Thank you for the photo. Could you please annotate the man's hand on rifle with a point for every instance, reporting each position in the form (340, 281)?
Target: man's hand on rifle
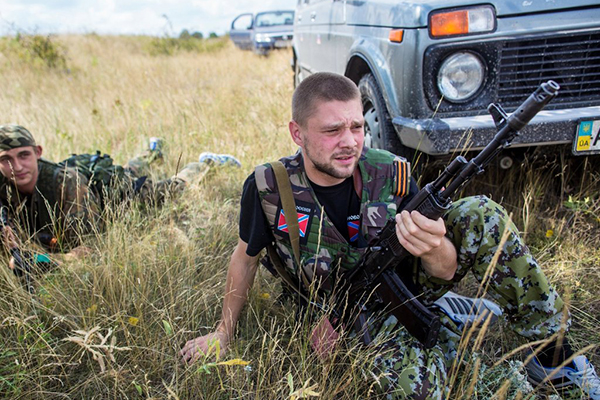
(426, 238)
(12, 263)
(9, 239)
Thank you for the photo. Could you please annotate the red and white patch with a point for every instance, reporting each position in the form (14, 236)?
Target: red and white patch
(302, 223)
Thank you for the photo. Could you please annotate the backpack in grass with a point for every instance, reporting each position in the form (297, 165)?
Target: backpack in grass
(100, 170)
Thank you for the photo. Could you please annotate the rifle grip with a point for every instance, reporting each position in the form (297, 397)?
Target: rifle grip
(362, 329)
(418, 320)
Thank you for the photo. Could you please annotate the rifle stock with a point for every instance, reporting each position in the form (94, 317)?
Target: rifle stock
(23, 260)
(375, 270)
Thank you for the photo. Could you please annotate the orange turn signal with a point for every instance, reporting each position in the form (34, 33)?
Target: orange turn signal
(396, 35)
(466, 21)
(450, 23)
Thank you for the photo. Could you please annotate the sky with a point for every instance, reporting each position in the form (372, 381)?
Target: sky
(148, 17)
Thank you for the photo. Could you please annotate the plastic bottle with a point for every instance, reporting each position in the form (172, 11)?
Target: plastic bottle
(156, 144)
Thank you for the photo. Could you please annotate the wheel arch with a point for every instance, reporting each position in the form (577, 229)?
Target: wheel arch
(359, 66)
(294, 58)
(364, 56)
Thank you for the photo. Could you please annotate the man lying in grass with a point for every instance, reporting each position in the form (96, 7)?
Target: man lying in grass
(359, 189)
(57, 205)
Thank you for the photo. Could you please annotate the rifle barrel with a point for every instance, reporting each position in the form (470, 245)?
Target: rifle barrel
(375, 269)
(509, 129)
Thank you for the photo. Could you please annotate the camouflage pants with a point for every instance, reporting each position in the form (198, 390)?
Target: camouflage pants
(475, 225)
(139, 165)
(151, 191)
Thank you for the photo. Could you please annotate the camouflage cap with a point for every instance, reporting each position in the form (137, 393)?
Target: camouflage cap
(13, 136)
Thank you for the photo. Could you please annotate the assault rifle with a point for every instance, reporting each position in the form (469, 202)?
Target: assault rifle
(25, 261)
(374, 280)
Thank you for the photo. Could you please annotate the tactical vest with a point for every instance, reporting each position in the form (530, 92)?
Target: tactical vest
(323, 249)
(44, 201)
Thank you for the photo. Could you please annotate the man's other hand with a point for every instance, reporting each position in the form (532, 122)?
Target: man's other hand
(77, 253)
(204, 346)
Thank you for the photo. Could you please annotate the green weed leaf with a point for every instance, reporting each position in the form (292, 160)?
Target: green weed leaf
(138, 388)
(167, 327)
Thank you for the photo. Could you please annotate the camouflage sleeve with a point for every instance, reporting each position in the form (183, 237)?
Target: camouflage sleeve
(413, 189)
(79, 208)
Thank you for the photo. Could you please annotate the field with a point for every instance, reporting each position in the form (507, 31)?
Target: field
(110, 326)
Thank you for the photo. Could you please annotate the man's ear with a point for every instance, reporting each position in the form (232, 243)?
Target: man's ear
(38, 151)
(295, 133)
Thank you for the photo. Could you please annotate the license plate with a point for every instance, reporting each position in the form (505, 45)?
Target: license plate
(587, 140)
(282, 43)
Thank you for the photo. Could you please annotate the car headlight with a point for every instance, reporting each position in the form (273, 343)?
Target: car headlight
(261, 37)
(460, 76)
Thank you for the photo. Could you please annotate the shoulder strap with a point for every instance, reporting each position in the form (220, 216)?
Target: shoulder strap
(274, 261)
(291, 216)
(289, 207)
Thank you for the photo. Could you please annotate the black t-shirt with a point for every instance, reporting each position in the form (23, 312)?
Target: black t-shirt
(345, 215)
(342, 206)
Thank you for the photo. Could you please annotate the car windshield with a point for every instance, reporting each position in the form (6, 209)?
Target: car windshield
(275, 18)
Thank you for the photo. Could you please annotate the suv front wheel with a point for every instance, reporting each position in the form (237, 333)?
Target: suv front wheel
(379, 130)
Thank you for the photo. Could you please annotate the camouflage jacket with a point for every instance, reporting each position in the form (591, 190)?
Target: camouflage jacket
(381, 181)
(61, 210)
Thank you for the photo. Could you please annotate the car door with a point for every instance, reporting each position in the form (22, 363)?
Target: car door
(241, 31)
(302, 41)
(327, 18)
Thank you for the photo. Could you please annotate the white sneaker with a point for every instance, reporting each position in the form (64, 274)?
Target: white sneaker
(218, 159)
(466, 310)
(579, 373)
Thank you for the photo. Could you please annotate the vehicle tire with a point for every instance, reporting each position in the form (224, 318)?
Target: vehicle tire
(379, 130)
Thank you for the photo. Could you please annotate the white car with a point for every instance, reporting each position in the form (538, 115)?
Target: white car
(264, 32)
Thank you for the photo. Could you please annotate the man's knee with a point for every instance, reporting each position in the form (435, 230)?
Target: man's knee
(411, 372)
(475, 205)
(418, 383)
(476, 216)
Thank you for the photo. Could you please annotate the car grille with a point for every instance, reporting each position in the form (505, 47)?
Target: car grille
(572, 60)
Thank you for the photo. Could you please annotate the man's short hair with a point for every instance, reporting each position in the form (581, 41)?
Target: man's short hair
(14, 136)
(322, 86)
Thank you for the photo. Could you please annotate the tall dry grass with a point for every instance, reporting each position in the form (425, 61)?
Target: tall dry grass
(111, 325)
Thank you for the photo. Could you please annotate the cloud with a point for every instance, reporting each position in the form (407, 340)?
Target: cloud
(127, 16)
